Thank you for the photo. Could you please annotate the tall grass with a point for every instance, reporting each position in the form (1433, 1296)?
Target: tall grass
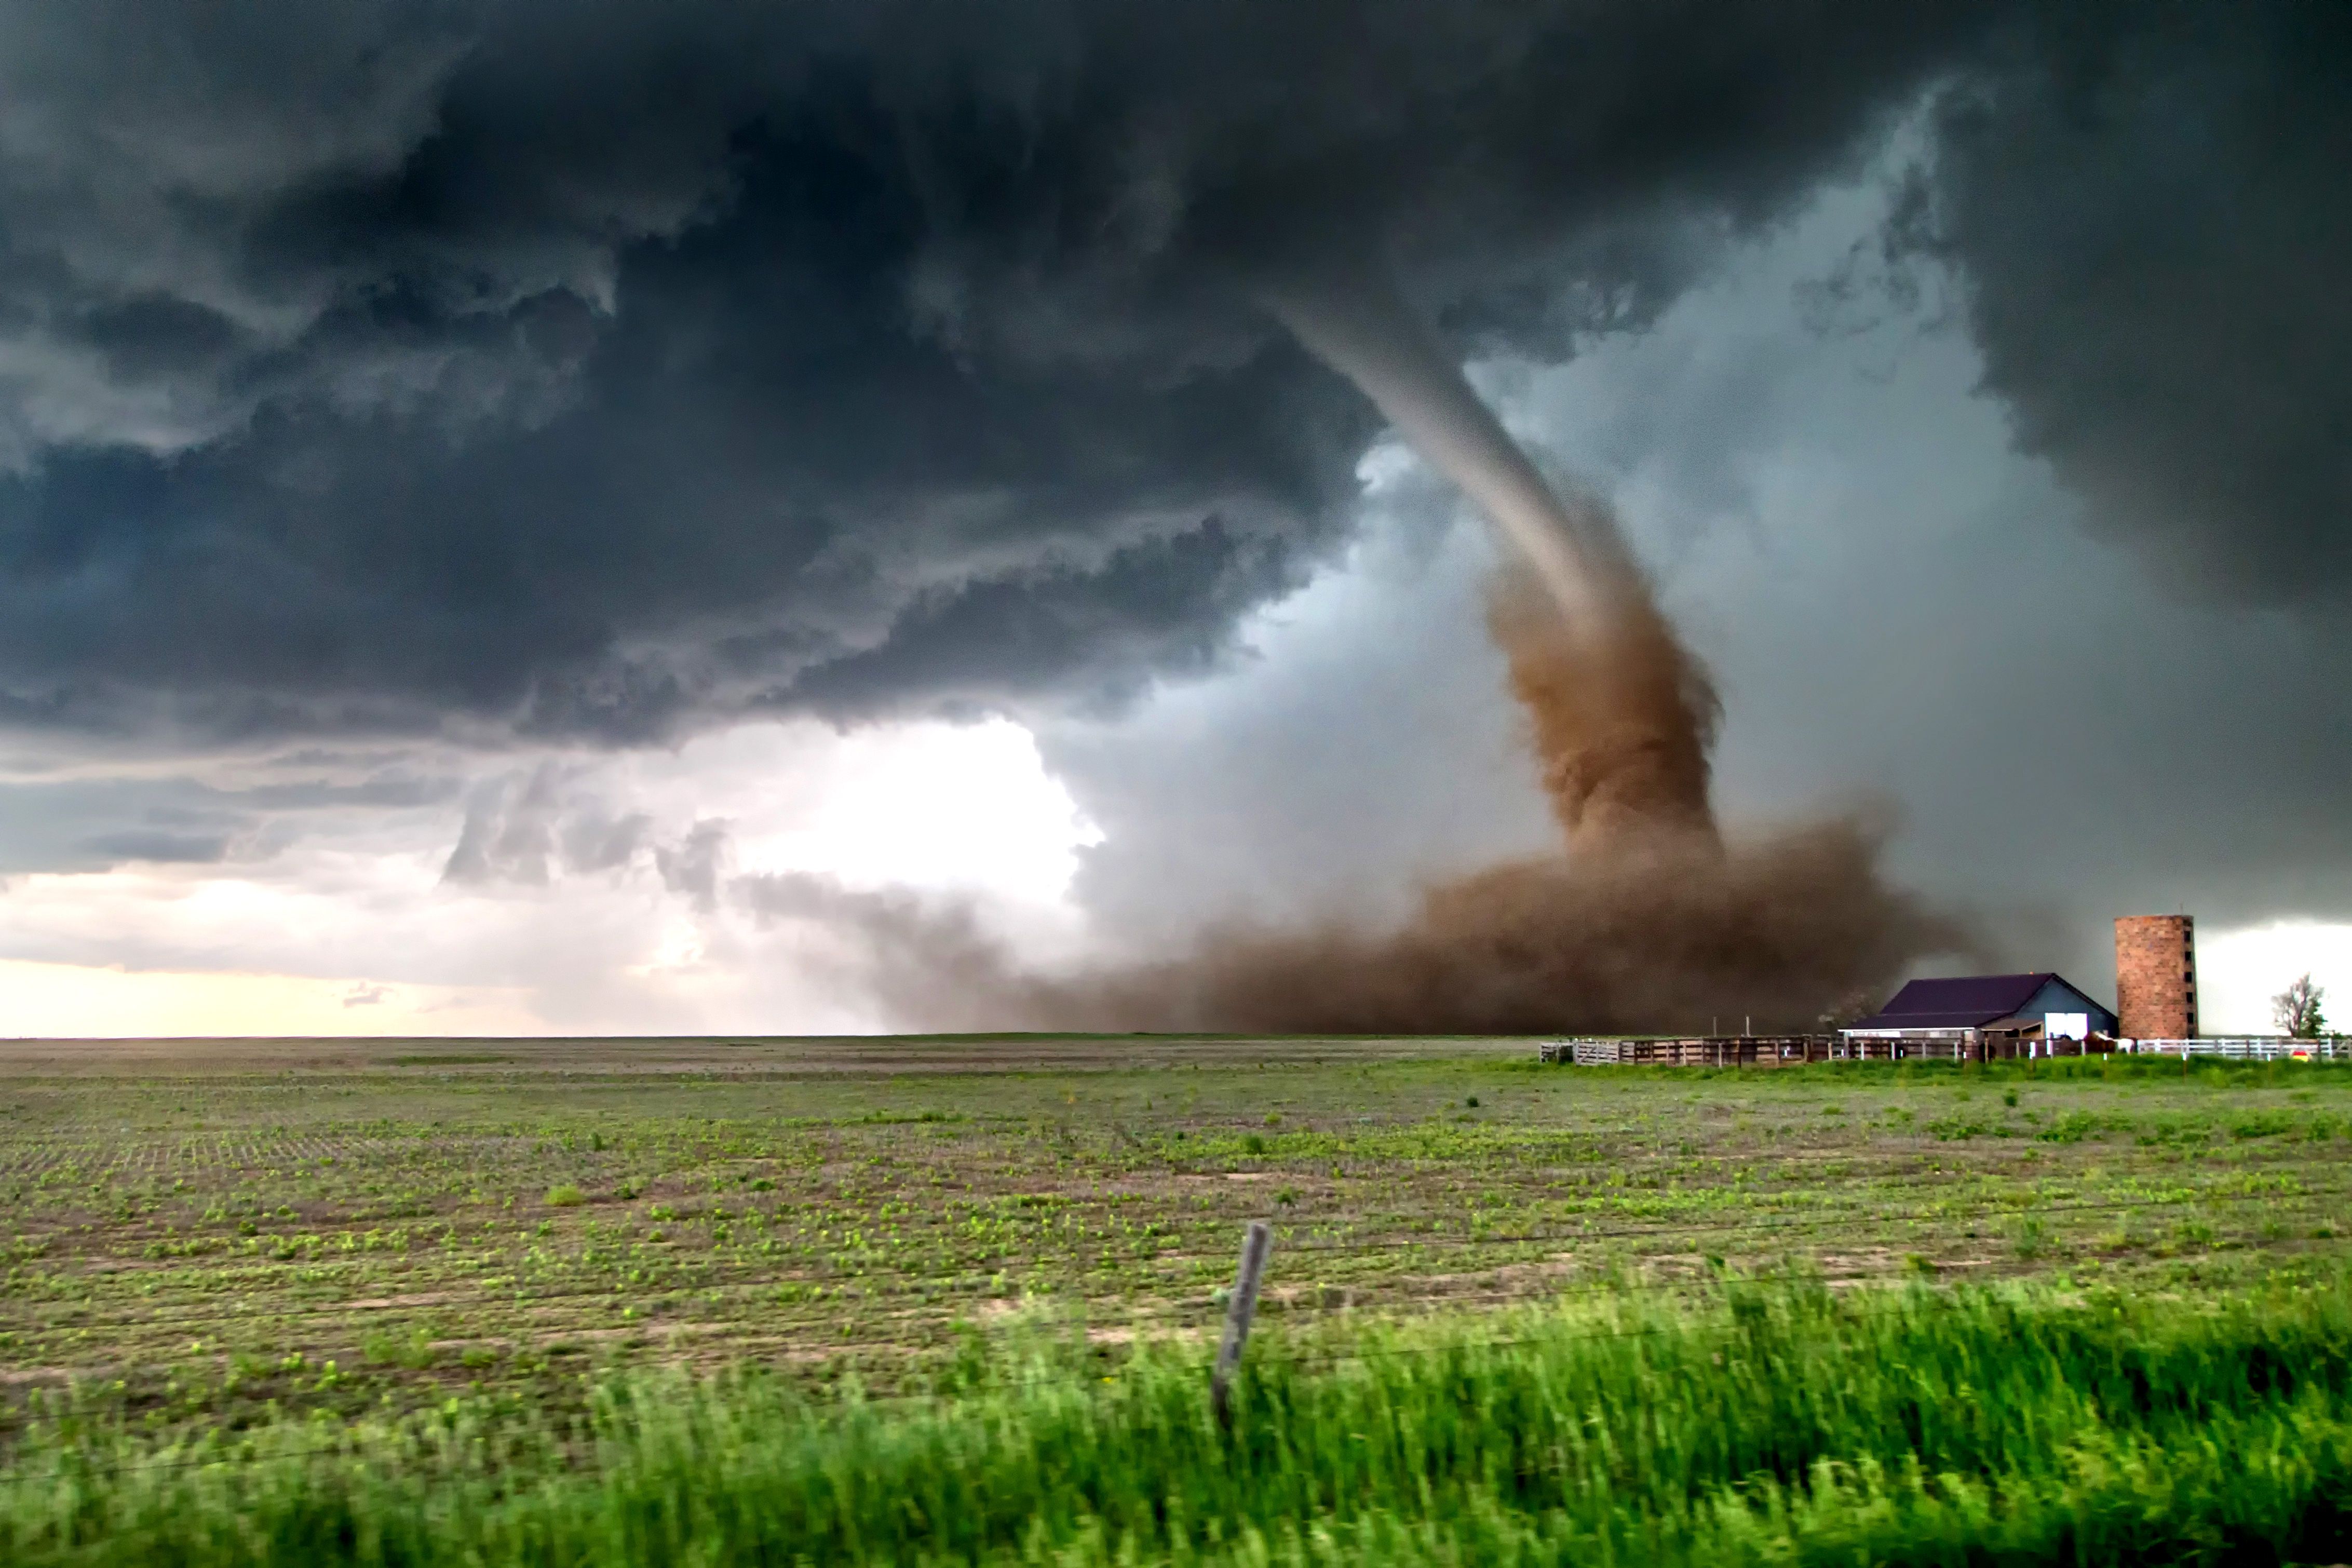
(1770, 1427)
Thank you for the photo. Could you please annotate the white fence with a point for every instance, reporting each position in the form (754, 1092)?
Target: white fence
(2243, 1048)
(1583, 1053)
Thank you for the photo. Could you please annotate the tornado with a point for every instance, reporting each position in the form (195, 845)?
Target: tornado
(1624, 717)
(1645, 918)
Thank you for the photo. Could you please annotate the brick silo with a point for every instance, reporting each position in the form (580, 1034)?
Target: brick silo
(2156, 977)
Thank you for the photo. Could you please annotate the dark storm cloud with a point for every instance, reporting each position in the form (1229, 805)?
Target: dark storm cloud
(2155, 224)
(597, 370)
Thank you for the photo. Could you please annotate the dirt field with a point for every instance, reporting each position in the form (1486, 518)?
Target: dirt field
(217, 1224)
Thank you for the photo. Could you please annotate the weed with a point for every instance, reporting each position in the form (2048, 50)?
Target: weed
(2071, 1128)
(413, 1349)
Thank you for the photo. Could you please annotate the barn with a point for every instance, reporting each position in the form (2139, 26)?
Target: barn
(1985, 1014)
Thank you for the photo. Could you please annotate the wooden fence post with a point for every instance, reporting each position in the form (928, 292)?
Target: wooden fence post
(1255, 1244)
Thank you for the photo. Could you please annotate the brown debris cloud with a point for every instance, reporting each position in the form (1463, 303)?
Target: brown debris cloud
(1620, 727)
(1645, 919)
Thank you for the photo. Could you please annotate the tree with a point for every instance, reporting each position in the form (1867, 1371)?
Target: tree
(1851, 1007)
(2296, 1010)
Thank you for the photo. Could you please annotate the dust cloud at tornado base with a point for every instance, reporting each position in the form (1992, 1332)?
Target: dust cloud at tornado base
(1646, 917)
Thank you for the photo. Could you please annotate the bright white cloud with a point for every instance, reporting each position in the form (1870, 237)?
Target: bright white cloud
(941, 806)
(2238, 973)
(357, 908)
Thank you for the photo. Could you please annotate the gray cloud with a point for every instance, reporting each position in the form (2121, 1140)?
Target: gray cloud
(511, 830)
(158, 845)
(696, 865)
(483, 369)
(80, 823)
(535, 826)
(2155, 229)
(592, 841)
(1367, 745)
(932, 962)
(529, 826)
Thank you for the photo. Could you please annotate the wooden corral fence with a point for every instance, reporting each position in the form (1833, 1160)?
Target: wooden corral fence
(1715, 1051)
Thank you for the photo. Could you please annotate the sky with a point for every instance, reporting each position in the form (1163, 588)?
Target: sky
(486, 515)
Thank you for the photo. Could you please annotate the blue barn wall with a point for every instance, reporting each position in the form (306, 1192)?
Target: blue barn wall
(2057, 997)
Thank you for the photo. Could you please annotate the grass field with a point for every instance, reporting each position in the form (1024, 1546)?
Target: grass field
(525, 1239)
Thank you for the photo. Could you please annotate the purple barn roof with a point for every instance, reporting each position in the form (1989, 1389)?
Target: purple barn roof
(1963, 1004)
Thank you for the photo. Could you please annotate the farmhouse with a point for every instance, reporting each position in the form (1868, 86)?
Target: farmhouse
(1986, 1015)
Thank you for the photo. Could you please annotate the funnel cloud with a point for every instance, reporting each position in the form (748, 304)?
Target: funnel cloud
(1622, 714)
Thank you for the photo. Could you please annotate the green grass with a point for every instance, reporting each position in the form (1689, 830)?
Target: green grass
(1765, 1424)
(182, 1227)
(681, 1303)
